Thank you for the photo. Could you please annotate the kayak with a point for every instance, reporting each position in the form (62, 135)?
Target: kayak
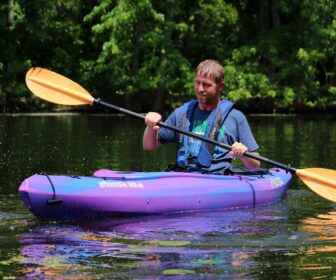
(110, 193)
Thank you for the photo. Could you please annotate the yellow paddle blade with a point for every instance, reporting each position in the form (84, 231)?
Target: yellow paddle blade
(320, 180)
(56, 88)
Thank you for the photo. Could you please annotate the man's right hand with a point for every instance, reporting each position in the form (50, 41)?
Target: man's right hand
(152, 119)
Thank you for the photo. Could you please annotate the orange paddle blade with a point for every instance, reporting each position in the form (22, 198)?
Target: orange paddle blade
(56, 88)
(320, 180)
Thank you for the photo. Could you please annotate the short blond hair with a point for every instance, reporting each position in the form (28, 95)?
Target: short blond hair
(211, 68)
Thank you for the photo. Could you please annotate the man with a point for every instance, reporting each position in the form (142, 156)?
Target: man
(208, 116)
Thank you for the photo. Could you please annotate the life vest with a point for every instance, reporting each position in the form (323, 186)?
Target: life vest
(215, 121)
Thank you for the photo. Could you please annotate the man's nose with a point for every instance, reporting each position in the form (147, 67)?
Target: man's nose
(200, 87)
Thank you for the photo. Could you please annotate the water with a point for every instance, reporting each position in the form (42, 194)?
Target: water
(294, 238)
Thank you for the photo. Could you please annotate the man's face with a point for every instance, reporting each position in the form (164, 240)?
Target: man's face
(207, 90)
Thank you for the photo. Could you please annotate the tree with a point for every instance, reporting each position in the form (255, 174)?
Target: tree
(39, 33)
(285, 54)
(138, 53)
(11, 17)
(278, 54)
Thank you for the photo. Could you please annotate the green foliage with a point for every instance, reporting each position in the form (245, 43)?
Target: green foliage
(276, 53)
(43, 33)
(139, 47)
(243, 78)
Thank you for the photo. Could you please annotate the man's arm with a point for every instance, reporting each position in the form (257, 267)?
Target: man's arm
(150, 139)
(250, 163)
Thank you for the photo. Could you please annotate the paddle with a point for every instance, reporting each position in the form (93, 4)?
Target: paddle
(58, 89)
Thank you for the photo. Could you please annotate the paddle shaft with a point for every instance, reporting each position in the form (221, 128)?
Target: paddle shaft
(196, 136)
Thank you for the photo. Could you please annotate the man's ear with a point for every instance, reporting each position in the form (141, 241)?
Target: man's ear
(220, 85)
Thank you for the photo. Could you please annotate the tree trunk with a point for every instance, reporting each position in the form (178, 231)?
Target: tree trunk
(8, 63)
(269, 14)
(264, 14)
(236, 3)
(160, 96)
(10, 19)
(135, 64)
(275, 14)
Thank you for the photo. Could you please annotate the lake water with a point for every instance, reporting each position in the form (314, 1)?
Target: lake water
(292, 239)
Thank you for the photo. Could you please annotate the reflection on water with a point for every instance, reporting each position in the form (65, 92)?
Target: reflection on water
(322, 231)
(322, 227)
(209, 243)
(236, 243)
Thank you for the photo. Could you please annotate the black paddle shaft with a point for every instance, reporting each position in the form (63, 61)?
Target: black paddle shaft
(196, 136)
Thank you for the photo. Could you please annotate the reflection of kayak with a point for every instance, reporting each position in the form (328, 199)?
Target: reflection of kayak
(109, 193)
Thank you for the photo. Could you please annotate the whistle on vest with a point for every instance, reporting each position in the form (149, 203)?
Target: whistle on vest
(183, 157)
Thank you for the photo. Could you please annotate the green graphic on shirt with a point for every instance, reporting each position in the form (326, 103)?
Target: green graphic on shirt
(199, 127)
(221, 132)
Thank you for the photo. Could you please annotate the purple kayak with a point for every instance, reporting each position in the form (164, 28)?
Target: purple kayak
(111, 193)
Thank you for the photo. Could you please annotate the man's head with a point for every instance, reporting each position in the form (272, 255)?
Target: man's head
(209, 81)
(211, 69)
